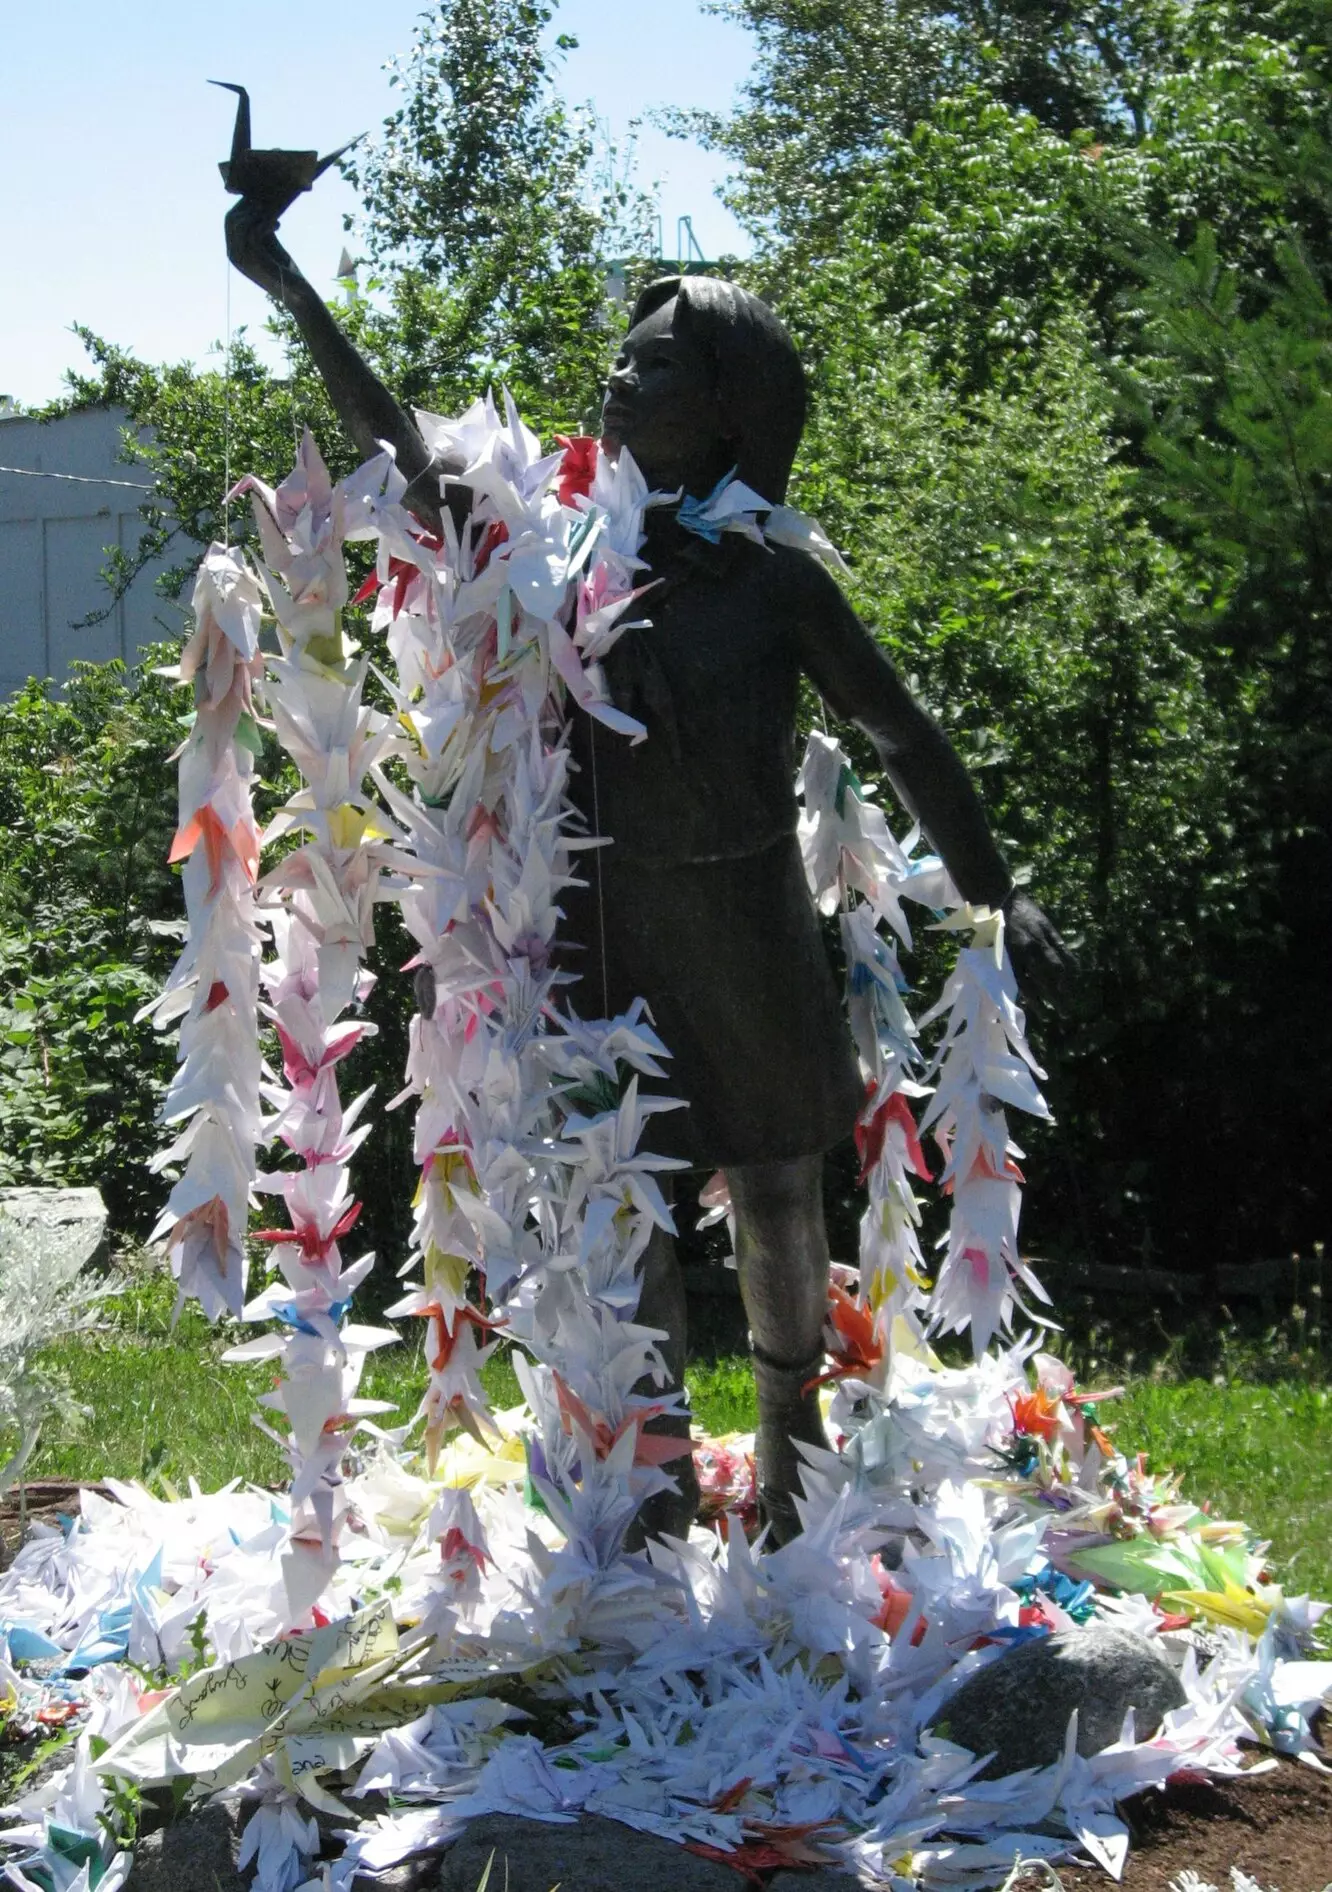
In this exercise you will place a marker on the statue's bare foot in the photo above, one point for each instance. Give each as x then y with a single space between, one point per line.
786 1414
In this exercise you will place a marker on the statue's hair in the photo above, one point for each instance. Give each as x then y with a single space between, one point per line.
758 372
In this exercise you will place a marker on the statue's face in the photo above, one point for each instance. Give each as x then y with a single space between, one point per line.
661 403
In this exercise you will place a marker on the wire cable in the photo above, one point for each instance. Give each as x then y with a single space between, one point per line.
79 479
601 907
226 422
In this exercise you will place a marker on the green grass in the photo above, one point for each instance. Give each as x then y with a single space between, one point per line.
162 1402
158 1402
722 1396
1261 1453
163 1405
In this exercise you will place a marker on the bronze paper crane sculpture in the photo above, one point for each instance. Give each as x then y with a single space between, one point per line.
273 179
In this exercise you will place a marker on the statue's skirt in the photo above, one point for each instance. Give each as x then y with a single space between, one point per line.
730 956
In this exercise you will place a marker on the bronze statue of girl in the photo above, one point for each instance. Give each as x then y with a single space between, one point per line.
699 904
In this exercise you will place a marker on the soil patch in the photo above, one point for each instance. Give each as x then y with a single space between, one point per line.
1275 1827
47 1500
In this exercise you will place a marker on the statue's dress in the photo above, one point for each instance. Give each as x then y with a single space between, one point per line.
699 904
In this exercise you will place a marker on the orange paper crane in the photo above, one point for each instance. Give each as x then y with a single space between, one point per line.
650 1448
771 1848
856 1347
1036 1414
446 1339
206 825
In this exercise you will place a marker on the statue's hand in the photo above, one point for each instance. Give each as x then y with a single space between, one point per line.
253 247
1043 964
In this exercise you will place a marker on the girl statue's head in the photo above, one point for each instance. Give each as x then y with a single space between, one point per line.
707 379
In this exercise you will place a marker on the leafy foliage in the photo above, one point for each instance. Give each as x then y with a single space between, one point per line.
838 82
1236 405
493 211
1197 98
41 1300
87 909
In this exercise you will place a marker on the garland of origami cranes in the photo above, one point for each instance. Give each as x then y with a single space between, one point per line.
529 1118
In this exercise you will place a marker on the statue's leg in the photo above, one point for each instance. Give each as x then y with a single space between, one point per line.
662 1304
781 1248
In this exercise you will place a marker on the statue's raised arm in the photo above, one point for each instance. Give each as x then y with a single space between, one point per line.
267 183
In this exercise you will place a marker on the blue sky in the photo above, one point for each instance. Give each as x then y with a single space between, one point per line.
110 137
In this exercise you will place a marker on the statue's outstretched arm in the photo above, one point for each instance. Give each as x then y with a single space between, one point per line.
859 684
364 405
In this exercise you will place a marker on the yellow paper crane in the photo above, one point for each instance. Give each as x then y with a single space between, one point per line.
1232 1606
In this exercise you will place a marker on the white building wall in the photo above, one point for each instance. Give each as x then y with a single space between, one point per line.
54 535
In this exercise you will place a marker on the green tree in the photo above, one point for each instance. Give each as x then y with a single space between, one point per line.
492 210
89 927
1235 401
1203 92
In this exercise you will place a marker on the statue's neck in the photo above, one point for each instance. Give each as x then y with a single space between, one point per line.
672 551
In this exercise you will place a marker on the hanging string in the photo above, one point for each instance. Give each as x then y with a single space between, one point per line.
601 904
78 479
226 422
